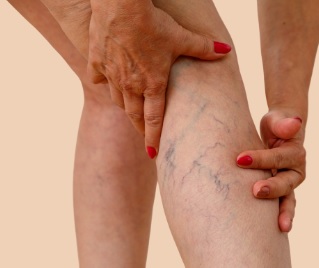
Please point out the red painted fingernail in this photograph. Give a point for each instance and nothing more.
(151, 152)
(263, 192)
(245, 160)
(221, 48)
(298, 118)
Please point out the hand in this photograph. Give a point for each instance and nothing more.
(283, 134)
(132, 47)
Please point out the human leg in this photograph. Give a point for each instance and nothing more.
(212, 214)
(114, 184)
(114, 181)
(214, 218)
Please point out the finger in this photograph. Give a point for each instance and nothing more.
(154, 106)
(280, 185)
(95, 76)
(281, 126)
(287, 212)
(199, 46)
(116, 96)
(134, 108)
(95, 68)
(288, 155)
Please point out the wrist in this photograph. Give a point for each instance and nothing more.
(289, 96)
(291, 111)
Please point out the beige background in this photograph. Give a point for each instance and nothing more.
(40, 105)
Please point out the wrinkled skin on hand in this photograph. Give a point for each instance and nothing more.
(74, 16)
(132, 47)
(283, 133)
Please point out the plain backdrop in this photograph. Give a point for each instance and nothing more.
(40, 106)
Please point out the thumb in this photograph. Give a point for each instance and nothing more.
(284, 128)
(202, 47)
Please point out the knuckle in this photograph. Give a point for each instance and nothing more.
(278, 159)
(129, 88)
(97, 78)
(95, 68)
(206, 46)
(302, 155)
(204, 42)
(134, 117)
(294, 201)
(119, 104)
(125, 85)
(301, 177)
(155, 88)
(95, 61)
(153, 120)
(185, 36)
(289, 186)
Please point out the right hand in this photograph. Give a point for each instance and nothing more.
(132, 47)
(283, 134)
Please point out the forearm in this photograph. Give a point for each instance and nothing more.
(74, 17)
(289, 38)
(190, 15)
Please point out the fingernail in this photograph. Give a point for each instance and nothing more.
(298, 118)
(151, 152)
(245, 160)
(221, 48)
(263, 192)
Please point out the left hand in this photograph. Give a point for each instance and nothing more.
(283, 136)
(133, 45)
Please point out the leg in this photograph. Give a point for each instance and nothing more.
(179, 158)
(215, 220)
(114, 181)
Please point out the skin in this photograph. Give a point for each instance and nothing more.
(113, 192)
(289, 45)
(74, 17)
(205, 196)
(134, 51)
(213, 217)
(207, 72)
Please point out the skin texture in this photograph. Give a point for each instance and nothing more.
(289, 45)
(134, 51)
(74, 17)
(113, 192)
(225, 84)
(206, 196)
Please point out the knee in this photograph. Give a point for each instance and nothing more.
(97, 95)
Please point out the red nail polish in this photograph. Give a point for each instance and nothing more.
(298, 118)
(263, 192)
(245, 160)
(151, 152)
(221, 48)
